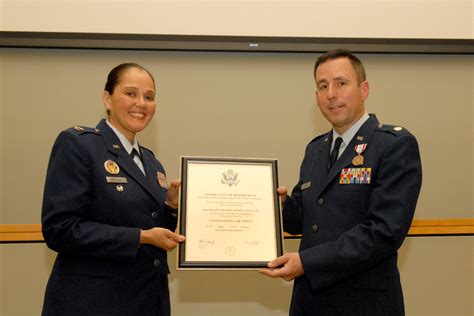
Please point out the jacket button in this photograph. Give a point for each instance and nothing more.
(320, 201)
(314, 228)
(155, 215)
(156, 263)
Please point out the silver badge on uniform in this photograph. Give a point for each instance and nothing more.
(116, 179)
(305, 185)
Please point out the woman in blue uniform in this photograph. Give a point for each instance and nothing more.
(107, 210)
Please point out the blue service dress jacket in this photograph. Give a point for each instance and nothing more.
(353, 219)
(95, 202)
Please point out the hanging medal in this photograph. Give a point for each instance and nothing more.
(359, 159)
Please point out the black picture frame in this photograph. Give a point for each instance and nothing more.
(185, 262)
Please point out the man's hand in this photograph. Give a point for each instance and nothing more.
(282, 191)
(290, 270)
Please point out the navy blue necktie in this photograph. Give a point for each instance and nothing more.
(134, 153)
(137, 160)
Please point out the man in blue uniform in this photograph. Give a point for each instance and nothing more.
(353, 204)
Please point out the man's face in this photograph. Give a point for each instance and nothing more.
(340, 98)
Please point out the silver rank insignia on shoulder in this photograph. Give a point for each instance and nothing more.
(397, 128)
(78, 128)
(355, 176)
(306, 185)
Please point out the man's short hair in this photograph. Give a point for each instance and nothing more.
(342, 53)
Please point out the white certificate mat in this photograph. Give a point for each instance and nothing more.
(229, 213)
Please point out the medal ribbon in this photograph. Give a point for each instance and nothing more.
(360, 148)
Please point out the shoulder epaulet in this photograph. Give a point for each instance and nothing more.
(144, 148)
(83, 129)
(317, 137)
(392, 129)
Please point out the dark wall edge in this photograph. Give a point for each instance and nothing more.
(232, 43)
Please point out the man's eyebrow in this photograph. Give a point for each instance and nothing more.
(340, 78)
(334, 79)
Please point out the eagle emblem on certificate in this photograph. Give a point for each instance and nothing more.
(230, 178)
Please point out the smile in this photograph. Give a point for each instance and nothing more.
(137, 115)
(335, 107)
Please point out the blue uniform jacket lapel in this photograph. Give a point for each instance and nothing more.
(151, 175)
(322, 161)
(363, 136)
(124, 160)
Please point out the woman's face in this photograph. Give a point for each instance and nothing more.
(132, 104)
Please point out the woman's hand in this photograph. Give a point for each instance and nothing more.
(173, 194)
(161, 237)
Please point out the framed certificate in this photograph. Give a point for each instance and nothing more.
(229, 213)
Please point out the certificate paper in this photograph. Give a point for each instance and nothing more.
(229, 213)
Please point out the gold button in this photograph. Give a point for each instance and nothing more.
(321, 201)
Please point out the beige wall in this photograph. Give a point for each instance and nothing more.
(240, 104)
(305, 18)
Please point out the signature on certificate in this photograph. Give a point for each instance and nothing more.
(206, 243)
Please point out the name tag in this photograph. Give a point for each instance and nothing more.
(305, 185)
(355, 176)
(116, 179)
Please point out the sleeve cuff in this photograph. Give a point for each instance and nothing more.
(173, 210)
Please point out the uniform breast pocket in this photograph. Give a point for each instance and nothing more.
(116, 193)
(362, 188)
